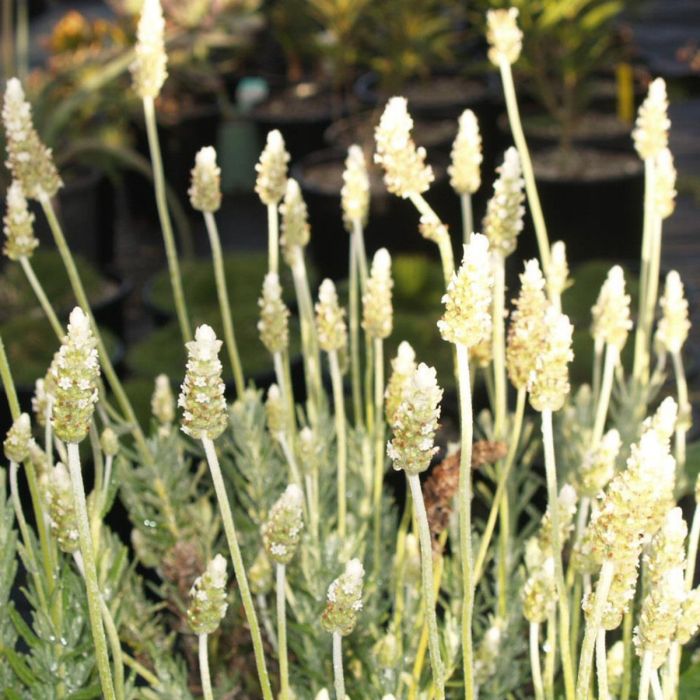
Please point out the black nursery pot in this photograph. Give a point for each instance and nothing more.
(393, 222)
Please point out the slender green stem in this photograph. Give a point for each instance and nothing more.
(238, 566)
(673, 664)
(41, 297)
(611, 359)
(465, 200)
(222, 293)
(338, 677)
(266, 622)
(627, 641)
(90, 571)
(8, 383)
(358, 238)
(445, 245)
(598, 348)
(656, 685)
(601, 663)
(341, 439)
(379, 448)
(465, 516)
(23, 39)
(535, 661)
(693, 539)
(204, 667)
(273, 245)
(563, 594)
(354, 323)
(164, 216)
(501, 487)
(499, 345)
(593, 625)
(426, 560)
(526, 163)
(105, 362)
(282, 633)
(141, 670)
(645, 677)
(684, 408)
(550, 659)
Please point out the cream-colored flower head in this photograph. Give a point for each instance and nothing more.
(598, 465)
(202, 392)
(481, 354)
(273, 325)
(149, 69)
(505, 211)
(63, 519)
(667, 548)
(295, 223)
(674, 325)
(205, 190)
(663, 422)
(548, 384)
(621, 594)
(567, 509)
(432, 229)
(20, 240)
(271, 182)
(403, 367)
(163, 400)
(611, 312)
(539, 596)
(275, 412)
(405, 170)
(504, 36)
(330, 319)
(651, 128)
(208, 598)
(558, 274)
(467, 317)
(526, 334)
(689, 621)
(344, 600)
(310, 450)
(42, 399)
(29, 160)
(415, 422)
(377, 311)
(664, 184)
(18, 439)
(282, 531)
(75, 374)
(109, 442)
(354, 194)
(465, 169)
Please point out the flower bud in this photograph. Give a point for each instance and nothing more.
(272, 169)
(465, 170)
(432, 229)
(109, 442)
(598, 465)
(539, 594)
(415, 422)
(163, 400)
(295, 223)
(403, 367)
(208, 598)
(377, 317)
(18, 440)
(467, 317)
(275, 412)
(505, 211)
(664, 184)
(567, 509)
(202, 391)
(650, 134)
(504, 36)
(205, 190)
(20, 240)
(62, 516)
(667, 548)
(75, 374)
(282, 531)
(344, 600)
(674, 325)
(558, 273)
(29, 160)
(405, 170)
(611, 312)
(149, 69)
(273, 325)
(41, 400)
(330, 319)
(354, 194)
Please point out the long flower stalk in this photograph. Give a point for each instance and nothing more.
(341, 438)
(204, 673)
(38, 290)
(550, 659)
(282, 631)
(601, 664)
(444, 243)
(683, 406)
(354, 325)
(379, 449)
(273, 245)
(338, 677)
(611, 360)
(535, 667)
(465, 201)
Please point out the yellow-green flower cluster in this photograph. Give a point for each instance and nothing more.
(465, 169)
(598, 465)
(62, 516)
(651, 128)
(18, 439)
(344, 600)
(109, 442)
(548, 384)
(330, 319)
(689, 621)
(664, 184)
(275, 412)
(415, 422)
(405, 169)
(539, 596)
(377, 317)
(611, 312)
(505, 211)
(163, 401)
(205, 189)
(403, 367)
(75, 373)
(504, 36)
(149, 69)
(295, 223)
(273, 325)
(18, 225)
(282, 531)
(202, 391)
(208, 598)
(672, 331)
(467, 317)
(567, 509)
(271, 181)
(354, 195)
(29, 160)
(526, 333)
